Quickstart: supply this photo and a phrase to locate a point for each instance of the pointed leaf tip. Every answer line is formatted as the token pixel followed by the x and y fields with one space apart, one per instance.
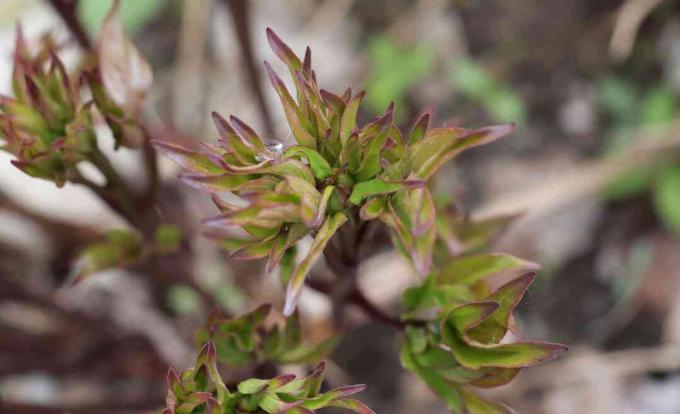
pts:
pixel 283 51
pixel 348 390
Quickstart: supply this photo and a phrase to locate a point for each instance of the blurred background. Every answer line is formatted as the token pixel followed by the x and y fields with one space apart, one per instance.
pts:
pixel 594 166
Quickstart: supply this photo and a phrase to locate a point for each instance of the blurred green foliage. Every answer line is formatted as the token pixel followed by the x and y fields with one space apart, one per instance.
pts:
pixel 184 300
pixel 478 86
pixel 667 197
pixel 394 69
pixel 133 13
pixel 632 113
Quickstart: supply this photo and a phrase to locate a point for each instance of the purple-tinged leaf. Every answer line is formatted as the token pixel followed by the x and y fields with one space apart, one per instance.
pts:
pixel 468 270
pixel 283 52
pixel 508 296
pixel 191 160
pixel 348 390
pixel 347 95
pixel 313 382
pixel 307 61
pixel 469 315
pixel 348 122
pixel 441 144
pixel 297 280
pixel 255 250
pixel 243 149
pixel 462 234
pixel 223 182
pixel 474 355
pixel 247 133
pixel 419 129
pixel 296 120
pixel 332 101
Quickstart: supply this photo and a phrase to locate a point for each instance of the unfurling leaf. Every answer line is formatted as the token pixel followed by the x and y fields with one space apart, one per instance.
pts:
pixel 126 75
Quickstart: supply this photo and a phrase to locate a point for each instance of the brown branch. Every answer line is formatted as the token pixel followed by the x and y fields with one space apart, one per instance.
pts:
pixel 240 13
pixel 358 299
pixel 68 11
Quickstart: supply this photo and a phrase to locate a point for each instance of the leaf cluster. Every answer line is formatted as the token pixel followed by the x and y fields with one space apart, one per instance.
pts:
pixel 201 390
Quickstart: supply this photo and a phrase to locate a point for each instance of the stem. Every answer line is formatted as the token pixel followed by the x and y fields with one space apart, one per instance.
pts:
pixel 68 11
pixel 151 165
pixel 358 299
pixel 240 13
pixel 108 195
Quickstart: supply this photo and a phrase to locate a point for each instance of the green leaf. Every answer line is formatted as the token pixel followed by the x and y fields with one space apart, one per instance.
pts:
pixel 251 386
pixel 317 163
pixel 242 149
pixel 332 101
pixel 468 270
pixel 378 186
pixel 496 377
pixel 508 296
pixel 370 163
pixel 372 208
pixel 222 182
pixel 429 295
pixel 287 265
pixel 478 405
pixel 474 355
pixel 439 145
pixel 297 280
pixel 436 382
pixel 419 129
pixel 667 198
pixel 462 235
pixel 348 121
pixel 470 315
pixel 247 134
